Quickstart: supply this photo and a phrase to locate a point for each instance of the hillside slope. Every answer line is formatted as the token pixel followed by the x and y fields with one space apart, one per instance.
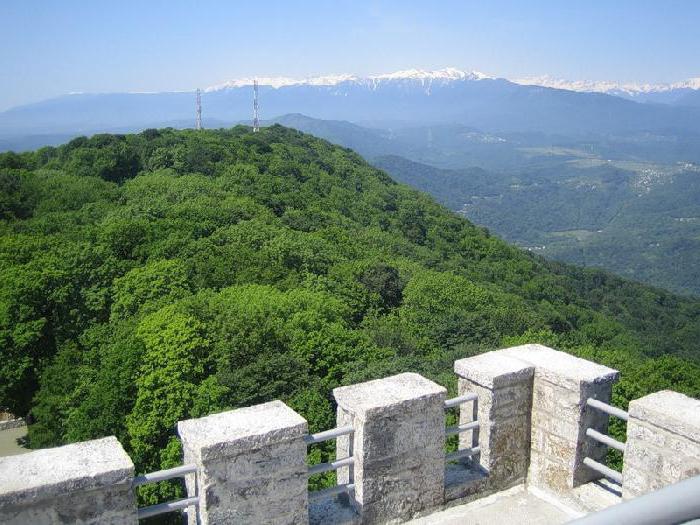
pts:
pixel 154 277
pixel 639 220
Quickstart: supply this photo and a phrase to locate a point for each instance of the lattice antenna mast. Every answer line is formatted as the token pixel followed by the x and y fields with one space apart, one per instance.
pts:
pixel 256 122
pixel 198 117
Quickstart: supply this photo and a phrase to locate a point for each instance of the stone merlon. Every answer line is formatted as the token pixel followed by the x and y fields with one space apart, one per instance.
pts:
pixel 229 433
pixel 54 472
pixel 381 395
pixel 562 368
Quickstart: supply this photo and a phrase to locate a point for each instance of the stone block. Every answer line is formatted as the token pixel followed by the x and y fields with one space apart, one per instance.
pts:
pixel 562 384
pixel 663 442
pixel 243 429
pixel 345 445
pixel 561 368
pixel 504 388
pixel 493 370
pixel 402 395
pixel 646 433
pixel 554 425
pixel 670 411
pixel 507 443
pixel 83 483
pixel 251 465
pixel 564 403
pixel 548 472
pixel 398 445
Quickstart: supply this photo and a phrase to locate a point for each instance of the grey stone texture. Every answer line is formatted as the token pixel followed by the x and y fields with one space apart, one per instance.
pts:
pixel 533 414
pixel 8 424
pixel 560 416
pixel 663 442
pixel 398 445
pixel 504 388
pixel 83 483
pixel 251 466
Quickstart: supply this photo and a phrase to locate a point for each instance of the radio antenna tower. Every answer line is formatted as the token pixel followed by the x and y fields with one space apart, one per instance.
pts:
pixel 198 118
pixel 256 123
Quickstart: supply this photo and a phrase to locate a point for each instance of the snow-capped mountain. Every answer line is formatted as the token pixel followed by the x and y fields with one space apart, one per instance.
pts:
pixel 410 97
pixel 419 76
pixel 660 93
pixel 663 93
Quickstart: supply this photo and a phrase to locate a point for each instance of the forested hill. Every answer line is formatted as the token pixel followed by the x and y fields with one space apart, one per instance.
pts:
pixel 153 277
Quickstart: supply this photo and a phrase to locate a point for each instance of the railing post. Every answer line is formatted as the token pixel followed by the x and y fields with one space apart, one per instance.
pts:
pixel 504 387
pixel 251 465
pixel 398 445
pixel 663 442
pixel 86 483
pixel 560 415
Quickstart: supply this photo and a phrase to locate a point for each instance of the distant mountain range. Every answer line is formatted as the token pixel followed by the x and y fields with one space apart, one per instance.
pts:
pixel 447 96
pixel 627 204
pixel 685 93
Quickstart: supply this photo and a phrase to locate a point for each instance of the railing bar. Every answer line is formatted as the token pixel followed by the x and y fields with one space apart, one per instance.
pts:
pixel 606 440
pixel 458 429
pixel 333 465
pixel 338 489
pixel 609 409
pixel 605 471
pixel 461 399
pixel 328 434
pixel 467 452
pixel 678 503
pixel 162 475
pixel 162 508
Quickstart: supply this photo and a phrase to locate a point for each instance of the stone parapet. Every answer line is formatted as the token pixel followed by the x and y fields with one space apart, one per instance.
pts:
pixel 398 445
pixel 560 416
pixel 504 388
pixel 663 442
pixel 83 483
pixel 251 466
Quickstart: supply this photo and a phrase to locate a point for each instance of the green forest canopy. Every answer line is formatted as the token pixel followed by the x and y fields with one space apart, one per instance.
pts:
pixel 150 278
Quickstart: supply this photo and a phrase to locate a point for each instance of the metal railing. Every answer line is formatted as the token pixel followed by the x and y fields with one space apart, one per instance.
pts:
pixel 319 468
pixel 464 427
pixel 163 475
pixel 605 439
pixel 677 503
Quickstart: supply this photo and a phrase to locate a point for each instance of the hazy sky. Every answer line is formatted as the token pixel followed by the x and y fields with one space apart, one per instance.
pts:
pixel 51 47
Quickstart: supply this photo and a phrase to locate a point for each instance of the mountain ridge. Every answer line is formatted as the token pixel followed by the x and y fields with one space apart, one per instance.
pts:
pixel 444 96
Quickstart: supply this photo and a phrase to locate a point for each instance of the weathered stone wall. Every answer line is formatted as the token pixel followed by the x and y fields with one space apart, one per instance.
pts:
pixel 504 387
pixel 251 466
pixel 83 483
pixel 663 442
pixel 560 416
pixel 398 445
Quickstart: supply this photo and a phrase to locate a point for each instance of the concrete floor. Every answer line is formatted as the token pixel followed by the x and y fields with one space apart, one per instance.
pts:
pixel 515 506
pixel 8 441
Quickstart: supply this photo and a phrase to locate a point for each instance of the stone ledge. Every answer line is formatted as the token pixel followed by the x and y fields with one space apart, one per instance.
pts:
pixel 382 395
pixel 54 472
pixel 493 369
pixel 561 368
pixel 228 433
pixel 670 411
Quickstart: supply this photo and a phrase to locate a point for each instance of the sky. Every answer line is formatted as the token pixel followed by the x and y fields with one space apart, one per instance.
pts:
pixel 52 47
